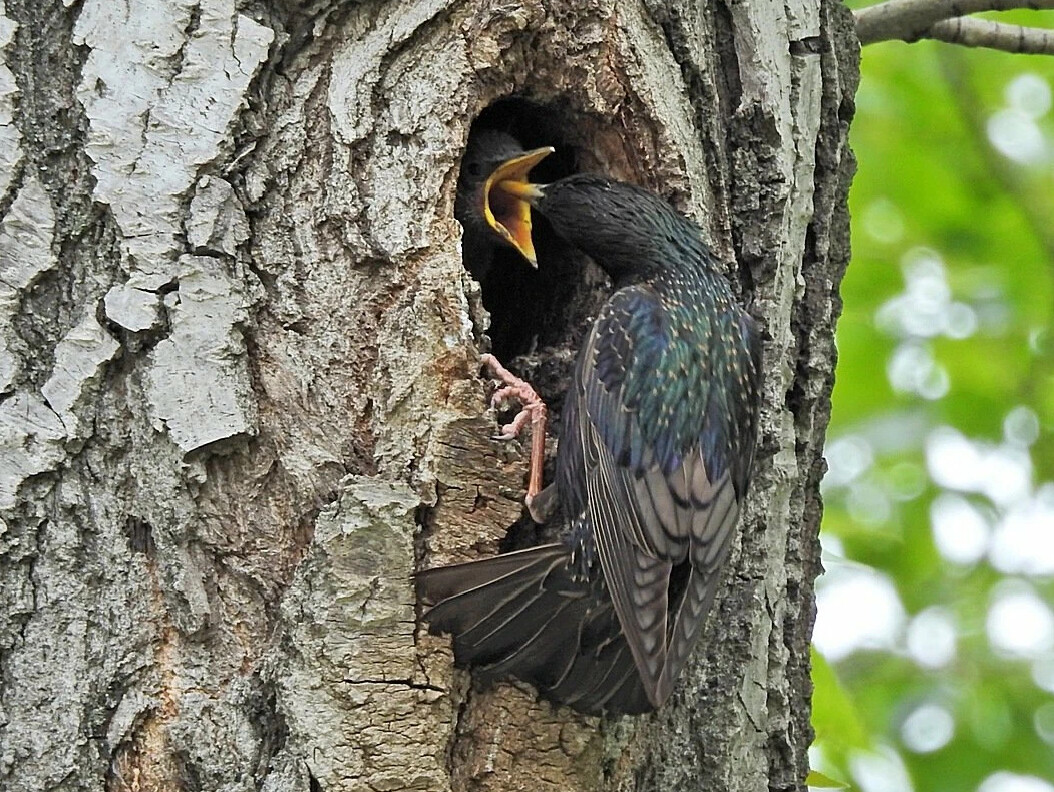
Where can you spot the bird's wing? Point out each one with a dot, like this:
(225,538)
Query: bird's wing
(659,442)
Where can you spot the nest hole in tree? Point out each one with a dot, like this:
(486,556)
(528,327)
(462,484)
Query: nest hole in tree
(538,318)
(526,305)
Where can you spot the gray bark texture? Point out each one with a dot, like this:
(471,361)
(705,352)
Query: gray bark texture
(240,390)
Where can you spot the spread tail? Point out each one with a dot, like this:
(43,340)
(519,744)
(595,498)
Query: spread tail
(525,615)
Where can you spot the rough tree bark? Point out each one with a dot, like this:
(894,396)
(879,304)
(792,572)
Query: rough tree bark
(240,399)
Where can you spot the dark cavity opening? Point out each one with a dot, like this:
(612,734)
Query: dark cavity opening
(538,318)
(529,308)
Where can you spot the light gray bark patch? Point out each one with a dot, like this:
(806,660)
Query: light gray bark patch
(133,309)
(356,704)
(130,711)
(26,234)
(79,360)
(414,96)
(356,68)
(25,237)
(159,106)
(31,442)
(10,149)
(198,380)
(217,221)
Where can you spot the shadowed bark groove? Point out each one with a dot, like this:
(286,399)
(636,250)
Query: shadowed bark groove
(239,391)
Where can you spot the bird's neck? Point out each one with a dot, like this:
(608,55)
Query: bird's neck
(659,259)
(632,234)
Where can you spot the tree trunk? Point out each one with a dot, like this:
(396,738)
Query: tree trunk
(241,404)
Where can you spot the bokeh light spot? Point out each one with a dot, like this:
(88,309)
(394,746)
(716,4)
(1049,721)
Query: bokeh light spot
(857,608)
(931,638)
(960,531)
(1029,94)
(928,728)
(1019,623)
(1012,782)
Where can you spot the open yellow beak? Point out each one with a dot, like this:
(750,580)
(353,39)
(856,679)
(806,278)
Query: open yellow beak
(506,195)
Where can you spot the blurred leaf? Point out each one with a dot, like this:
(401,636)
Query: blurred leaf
(818,780)
(835,717)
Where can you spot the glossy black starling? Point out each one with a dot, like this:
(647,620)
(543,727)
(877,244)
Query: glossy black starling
(654,459)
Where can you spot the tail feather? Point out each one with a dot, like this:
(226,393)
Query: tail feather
(441,583)
(604,676)
(543,644)
(525,614)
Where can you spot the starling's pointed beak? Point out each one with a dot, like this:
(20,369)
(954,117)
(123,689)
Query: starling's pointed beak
(506,200)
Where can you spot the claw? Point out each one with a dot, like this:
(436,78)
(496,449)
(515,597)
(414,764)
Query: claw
(503,394)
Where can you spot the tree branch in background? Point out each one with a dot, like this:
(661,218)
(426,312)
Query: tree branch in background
(911,20)
(971,32)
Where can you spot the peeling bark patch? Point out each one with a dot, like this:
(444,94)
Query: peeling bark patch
(10,151)
(480,491)
(31,442)
(348,682)
(217,221)
(79,360)
(198,381)
(160,94)
(133,309)
(26,235)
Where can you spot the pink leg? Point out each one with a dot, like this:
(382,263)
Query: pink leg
(533,409)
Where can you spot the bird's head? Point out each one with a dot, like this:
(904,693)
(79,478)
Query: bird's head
(496,158)
(625,229)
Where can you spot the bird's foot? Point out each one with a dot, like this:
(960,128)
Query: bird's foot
(532,409)
(531,405)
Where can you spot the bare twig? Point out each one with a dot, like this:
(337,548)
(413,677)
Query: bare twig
(910,20)
(971,32)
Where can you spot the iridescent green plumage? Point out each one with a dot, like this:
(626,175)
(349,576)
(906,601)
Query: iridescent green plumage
(654,459)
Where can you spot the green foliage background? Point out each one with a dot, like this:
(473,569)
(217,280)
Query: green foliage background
(935,199)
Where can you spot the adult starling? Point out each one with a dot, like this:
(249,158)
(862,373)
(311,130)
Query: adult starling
(654,459)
